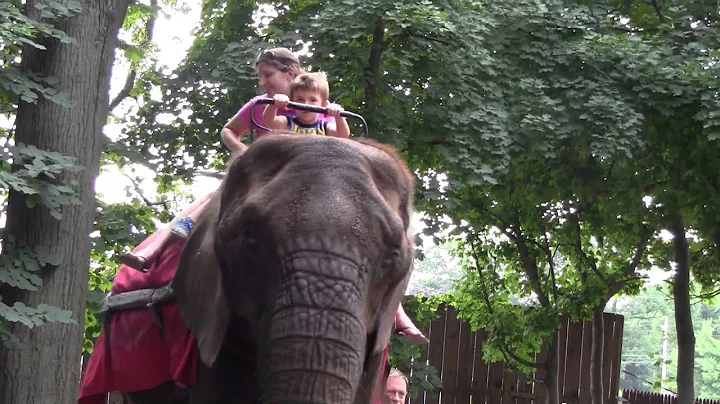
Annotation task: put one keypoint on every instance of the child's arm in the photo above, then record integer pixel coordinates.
(340, 127)
(270, 116)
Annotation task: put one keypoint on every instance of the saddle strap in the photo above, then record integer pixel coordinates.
(136, 299)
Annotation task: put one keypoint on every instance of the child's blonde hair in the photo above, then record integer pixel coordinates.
(311, 82)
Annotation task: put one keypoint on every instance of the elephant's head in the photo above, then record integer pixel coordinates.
(309, 242)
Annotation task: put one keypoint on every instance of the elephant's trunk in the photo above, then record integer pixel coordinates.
(317, 340)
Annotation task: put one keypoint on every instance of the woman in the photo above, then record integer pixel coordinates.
(276, 68)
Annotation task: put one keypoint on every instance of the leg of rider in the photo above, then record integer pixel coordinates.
(145, 257)
(405, 326)
(183, 227)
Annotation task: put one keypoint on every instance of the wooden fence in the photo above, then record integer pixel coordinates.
(455, 352)
(648, 397)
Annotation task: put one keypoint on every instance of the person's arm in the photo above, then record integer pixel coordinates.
(338, 128)
(270, 116)
(236, 127)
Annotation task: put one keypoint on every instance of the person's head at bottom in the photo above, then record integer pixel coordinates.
(396, 387)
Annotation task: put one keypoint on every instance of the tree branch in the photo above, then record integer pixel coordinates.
(617, 284)
(125, 92)
(706, 296)
(132, 74)
(136, 186)
(412, 35)
(584, 258)
(656, 6)
(507, 353)
(551, 264)
(529, 264)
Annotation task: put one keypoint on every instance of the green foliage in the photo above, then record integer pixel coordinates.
(36, 175)
(20, 265)
(18, 30)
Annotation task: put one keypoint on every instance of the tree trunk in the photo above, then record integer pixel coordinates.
(596, 356)
(45, 367)
(683, 320)
(552, 383)
(372, 70)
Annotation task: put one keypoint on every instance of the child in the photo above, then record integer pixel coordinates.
(311, 89)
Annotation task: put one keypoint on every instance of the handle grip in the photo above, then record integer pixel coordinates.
(306, 107)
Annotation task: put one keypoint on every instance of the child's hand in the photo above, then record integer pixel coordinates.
(334, 110)
(281, 100)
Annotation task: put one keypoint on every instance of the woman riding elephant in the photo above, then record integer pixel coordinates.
(276, 68)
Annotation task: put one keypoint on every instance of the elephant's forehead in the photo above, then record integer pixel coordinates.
(315, 147)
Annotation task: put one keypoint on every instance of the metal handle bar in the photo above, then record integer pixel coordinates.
(305, 107)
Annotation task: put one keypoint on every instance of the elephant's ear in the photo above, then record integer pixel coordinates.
(198, 286)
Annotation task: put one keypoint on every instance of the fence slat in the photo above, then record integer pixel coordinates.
(435, 354)
(465, 364)
(615, 375)
(496, 372)
(480, 371)
(572, 363)
(424, 350)
(539, 388)
(450, 357)
(562, 342)
(609, 346)
(585, 397)
(509, 386)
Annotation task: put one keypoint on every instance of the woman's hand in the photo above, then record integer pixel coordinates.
(281, 101)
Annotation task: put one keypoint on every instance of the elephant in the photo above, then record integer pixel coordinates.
(292, 275)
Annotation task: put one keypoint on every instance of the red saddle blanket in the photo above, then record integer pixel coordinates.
(137, 355)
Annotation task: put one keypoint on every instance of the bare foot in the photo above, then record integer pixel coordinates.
(134, 261)
(413, 335)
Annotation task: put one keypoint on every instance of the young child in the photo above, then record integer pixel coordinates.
(311, 89)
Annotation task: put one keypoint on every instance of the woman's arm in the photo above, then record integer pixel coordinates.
(236, 127)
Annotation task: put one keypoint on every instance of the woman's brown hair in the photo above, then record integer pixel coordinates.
(280, 58)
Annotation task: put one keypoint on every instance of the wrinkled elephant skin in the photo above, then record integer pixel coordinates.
(291, 277)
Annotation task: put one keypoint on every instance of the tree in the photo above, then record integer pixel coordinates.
(42, 365)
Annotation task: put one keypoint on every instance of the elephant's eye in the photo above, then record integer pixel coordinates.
(392, 257)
